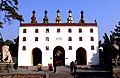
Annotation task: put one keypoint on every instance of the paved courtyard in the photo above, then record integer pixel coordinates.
(61, 71)
(64, 72)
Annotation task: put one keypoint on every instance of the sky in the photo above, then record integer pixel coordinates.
(106, 12)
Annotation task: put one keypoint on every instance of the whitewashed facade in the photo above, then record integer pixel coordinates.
(71, 37)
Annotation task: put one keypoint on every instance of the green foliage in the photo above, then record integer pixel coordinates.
(114, 37)
(116, 34)
(106, 39)
(8, 42)
(10, 11)
(109, 52)
(14, 47)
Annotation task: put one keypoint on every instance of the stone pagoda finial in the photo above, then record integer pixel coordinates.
(70, 13)
(58, 13)
(33, 18)
(82, 18)
(58, 20)
(70, 18)
(45, 19)
(95, 21)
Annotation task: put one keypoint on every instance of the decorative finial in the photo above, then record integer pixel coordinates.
(33, 12)
(70, 18)
(45, 19)
(82, 13)
(95, 21)
(45, 12)
(82, 17)
(58, 20)
(33, 18)
(58, 11)
(70, 11)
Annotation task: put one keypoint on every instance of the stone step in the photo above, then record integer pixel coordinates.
(22, 75)
(94, 75)
(60, 76)
(83, 66)
(90, 67)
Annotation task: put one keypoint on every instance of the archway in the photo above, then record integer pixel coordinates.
(59, 56)
(81, 56)
(37, 56)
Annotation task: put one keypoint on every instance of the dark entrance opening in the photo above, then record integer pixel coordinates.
(59, 56)
(37, 56)
(81, 56)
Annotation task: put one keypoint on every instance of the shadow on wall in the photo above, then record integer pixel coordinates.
(95, 59)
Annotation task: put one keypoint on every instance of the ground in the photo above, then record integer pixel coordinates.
(61, 72)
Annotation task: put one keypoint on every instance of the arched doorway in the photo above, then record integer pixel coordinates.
(59, 56)
(37, 56)
(81, 56)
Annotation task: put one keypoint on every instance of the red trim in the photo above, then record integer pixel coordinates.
(57, 24)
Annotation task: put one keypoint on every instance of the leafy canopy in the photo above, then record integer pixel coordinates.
(9, 10)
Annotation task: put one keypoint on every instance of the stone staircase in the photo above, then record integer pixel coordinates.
(60, 76)
(94, 75)
(62, 72)
(85, 71)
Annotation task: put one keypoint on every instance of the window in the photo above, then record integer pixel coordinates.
(80, 38)
(70, 48)
(36, 31)
(92, 47)
(92, 38)
(36, 38)
(91, 30)
(47, 38)
(24, 31)
(47, 47)
(69, 30)
(24, 48)
(80, 30)
(69, 38)
(24, 38)
(47, 30)
(58, 30)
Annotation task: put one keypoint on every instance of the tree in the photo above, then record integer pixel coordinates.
(110, 47)
(8, 42)
(1, 43)
(9, 10)
(14, 47)
(116, 34)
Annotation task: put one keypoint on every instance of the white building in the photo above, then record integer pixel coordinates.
(65, 42)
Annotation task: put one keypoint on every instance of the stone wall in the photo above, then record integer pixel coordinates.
(19, 75)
